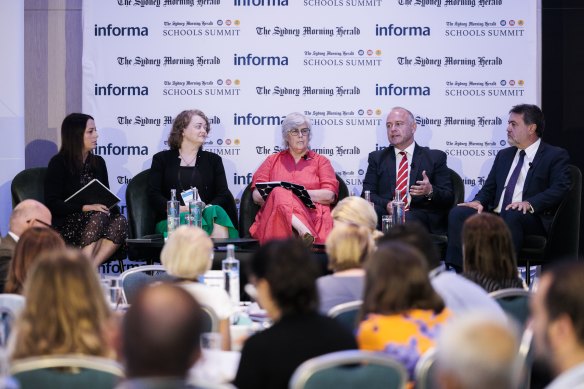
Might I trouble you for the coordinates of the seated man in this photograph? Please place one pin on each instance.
(160, 338)
(26, 214)
(419, 171)
(525, 185)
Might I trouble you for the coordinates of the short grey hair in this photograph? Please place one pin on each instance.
(292, 121)
(410, 114)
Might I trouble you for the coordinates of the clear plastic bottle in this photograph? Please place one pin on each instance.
(367, 196)
(230, 266)
(172, 212)
(196, 209)
(398, 208)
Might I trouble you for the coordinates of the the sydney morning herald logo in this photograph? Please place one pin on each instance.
(448, 61)
(168, 3)
(307, 31)
(198, 61)
(450, 3)
(498, 29)
(308, 90)
(337, 58)
(219, 87)
(199, 28)
(484, 88)
(458, 121)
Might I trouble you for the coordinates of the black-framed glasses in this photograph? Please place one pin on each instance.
(299, 131)
(31, 221)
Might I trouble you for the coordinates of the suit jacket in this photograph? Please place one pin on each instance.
(6, 252)
(380, 181)
(547, 182)
(60, 183)
(209, 178)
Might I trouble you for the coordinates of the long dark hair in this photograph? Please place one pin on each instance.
(72, 131)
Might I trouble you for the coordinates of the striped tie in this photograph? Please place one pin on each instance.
(402, 178)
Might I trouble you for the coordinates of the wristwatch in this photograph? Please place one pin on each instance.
(429, 195)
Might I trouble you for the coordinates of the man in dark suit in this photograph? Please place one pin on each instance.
(536, 174)
(420, 170)
(26, 214)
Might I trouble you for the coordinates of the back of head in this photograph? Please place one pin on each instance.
(290, 271)
(26, 213)
(65, 310)
(564, 296)
(476, 351)
(32, 243)
(416, 235)
(347, 246)
(397, 281)
(355, 210)
(161, 332)
(488, 248)
(188, 253)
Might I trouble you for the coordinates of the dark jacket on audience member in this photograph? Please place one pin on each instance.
(6, 253)
(269, 358)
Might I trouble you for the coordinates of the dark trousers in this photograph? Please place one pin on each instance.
(519, 224)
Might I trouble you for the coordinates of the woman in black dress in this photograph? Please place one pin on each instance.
(94, 228)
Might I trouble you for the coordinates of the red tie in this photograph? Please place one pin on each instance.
(402, 178)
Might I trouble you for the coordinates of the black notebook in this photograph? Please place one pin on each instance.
(94, 193)
(300, 191)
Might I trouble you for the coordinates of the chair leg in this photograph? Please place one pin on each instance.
(527, 273)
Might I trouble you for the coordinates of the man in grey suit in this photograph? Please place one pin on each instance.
(28, 213)
(420, 170)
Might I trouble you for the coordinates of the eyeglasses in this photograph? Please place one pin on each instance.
(298, 131)
(32, 221)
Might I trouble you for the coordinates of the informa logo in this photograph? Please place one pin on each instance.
(392, 89)
(250, 119)
(503, 88)
(349, 58)
(116, 90)
(307, 31)
(343, 3)
(111, 149)
(308, 90)
(111, 30)
(401, 31)
(485, 29)
(260, 3)
(258, 60)
(221, 87)
(450, 3)
(448, 61)
(345, 117)
(202, 28)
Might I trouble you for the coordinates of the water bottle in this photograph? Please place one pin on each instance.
(172, 212)
(367, 195)
(398, 208)
(196, 209)
(230, 266)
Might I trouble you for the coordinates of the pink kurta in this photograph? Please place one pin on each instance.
(274, 220)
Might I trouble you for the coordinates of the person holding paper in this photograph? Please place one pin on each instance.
(100, 232)
(186, 165)
(283, 213)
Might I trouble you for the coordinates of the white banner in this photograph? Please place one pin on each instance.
(459, 65)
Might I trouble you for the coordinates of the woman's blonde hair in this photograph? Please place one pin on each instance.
(356, 210)
(188, 253)
(347, 246)
(65, 310)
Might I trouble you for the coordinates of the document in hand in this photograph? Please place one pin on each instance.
(266, 187)
(94, 193)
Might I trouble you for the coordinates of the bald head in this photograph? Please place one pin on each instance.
(161, 332)
(29, 213)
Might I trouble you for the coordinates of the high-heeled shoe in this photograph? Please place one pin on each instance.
(307, 239)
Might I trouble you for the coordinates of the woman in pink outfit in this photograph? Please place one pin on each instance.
(283, 213)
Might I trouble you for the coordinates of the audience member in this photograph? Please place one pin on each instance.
(419, 172)
(459, 294)
(401, 314)
(347, 246)
(28, 213)
(283, 212)
(558, 324)
(284, 275)
(356, 210)
(65, 310)
(187, 255)
(525, 185)
(488, 255)
(97, 230)
(477, 352)
(161, 338)
(31, 245)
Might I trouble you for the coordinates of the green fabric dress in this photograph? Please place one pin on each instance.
(213, 214)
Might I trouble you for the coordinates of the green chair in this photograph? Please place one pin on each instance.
(515, 302)
(350, 369)
(29, 184)
(346, 314)
(69, 371)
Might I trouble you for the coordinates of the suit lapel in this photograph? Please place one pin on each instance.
(536, 160)
(415, 164)
(388, 168)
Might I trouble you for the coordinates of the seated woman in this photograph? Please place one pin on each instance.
(187, 165)
(488, 253)
(94, 228)
(31, 244)
(402, 314)
(284, 275)
(188, 254)
(283, 212)
(65, 310)
(347, 246)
